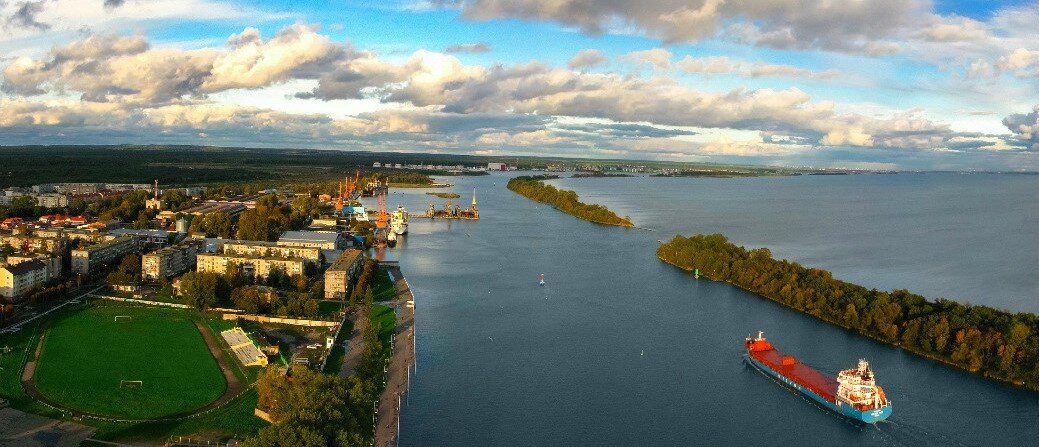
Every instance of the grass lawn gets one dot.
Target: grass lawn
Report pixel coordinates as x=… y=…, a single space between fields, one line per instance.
x=382 y=287
x=387 y=319
x=88 y=355
x=327 y=308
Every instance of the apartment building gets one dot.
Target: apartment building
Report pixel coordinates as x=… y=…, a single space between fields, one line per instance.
x=256 y=266
x=171 y=261
x=19 y=279
x=341 y=276
x=87 y=260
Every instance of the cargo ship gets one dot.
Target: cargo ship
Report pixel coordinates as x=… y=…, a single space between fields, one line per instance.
x=854 y=393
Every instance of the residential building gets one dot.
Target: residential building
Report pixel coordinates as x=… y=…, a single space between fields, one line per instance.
x=53 y=200
x=264 y=249
x=341 y=276
x=171 y=261
x=328 y=240
x=19 y=279
x=52 y=263
x=86 y=260
x=256 y=266
x=29 y=243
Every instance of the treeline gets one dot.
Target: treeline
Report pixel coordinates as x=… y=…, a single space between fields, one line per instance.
x=995 y=343
x=534 y=188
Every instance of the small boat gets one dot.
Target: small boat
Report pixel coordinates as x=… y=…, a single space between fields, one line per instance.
x=541 y=279
x=391 y=239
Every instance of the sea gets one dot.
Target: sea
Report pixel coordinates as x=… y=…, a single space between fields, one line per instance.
x=619 y=349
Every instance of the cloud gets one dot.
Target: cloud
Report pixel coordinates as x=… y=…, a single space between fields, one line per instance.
x=476 y=48
x=1025 y=127
x=953 y=29
x=112 y=4
x=723 y=65
x=111 y=68
x=1022 y=62
x=25 y=15
x=843 y=26
x=586 y=59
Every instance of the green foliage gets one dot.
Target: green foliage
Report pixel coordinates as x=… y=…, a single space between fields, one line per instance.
x=536 y=189
x=128 y=271
x=980 y=339
x=315 y=409
x=203 y=290
x=217 y=224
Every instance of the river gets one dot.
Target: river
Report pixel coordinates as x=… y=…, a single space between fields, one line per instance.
x=619 y=349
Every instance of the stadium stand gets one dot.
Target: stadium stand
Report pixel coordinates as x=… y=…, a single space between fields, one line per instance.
x=244 y=348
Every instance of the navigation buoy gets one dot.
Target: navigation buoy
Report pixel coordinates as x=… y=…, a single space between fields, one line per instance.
x=697 y=274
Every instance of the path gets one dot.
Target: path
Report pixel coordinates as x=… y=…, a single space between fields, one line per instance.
x=234 y=386
x=354 y=347
x=398 y=373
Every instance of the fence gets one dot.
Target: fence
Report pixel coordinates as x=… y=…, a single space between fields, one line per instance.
x=282 y=320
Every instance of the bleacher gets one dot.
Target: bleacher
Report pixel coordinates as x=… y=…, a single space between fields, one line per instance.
x=244 y=348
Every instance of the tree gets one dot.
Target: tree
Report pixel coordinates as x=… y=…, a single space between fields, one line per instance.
x=247 y=299
x=200 y=290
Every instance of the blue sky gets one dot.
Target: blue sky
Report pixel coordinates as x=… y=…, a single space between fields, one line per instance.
x=909 y=84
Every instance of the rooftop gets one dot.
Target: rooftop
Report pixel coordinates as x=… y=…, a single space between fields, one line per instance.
x=344 y=261
x=309 y=236
x=25 y=267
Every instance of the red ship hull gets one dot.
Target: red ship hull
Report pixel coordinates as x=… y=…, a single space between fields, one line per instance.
x=797 y=372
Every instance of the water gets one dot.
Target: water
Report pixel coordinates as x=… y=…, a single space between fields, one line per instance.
x=619 y=349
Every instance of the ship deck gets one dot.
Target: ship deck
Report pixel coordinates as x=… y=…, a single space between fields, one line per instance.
x=804 y=375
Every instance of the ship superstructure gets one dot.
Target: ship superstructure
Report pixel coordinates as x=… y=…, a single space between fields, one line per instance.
x=399 y=221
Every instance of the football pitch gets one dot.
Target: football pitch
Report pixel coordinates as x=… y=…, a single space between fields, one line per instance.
x=128 y=362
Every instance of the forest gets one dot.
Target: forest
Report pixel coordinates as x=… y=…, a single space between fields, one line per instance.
x=994 y=343
x=534 y=188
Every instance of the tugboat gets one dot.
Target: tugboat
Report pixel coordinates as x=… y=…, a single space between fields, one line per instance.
x=854 y=394
x=391 y=239
x=399 y=221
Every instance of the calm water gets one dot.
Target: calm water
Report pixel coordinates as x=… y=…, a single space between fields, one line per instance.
x=619 y=349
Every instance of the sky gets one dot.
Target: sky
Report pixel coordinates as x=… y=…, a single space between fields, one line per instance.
x=866 y=84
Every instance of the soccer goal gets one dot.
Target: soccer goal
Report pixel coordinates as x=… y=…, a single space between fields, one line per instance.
x=131 y=383
x=123 y=318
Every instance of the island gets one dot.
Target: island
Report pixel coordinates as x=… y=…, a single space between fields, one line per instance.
x=534 y=188
x=993 y=343
x=444 y=195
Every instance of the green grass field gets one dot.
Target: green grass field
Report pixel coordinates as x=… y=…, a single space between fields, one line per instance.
x=88 y=358
x=382 y=288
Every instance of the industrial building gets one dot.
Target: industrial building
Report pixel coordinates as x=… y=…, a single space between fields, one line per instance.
x=341 y=276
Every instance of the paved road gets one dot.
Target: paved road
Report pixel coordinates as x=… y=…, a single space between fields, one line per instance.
x=398 y=373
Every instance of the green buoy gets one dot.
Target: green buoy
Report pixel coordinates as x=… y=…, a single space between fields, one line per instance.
x=697 y=273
